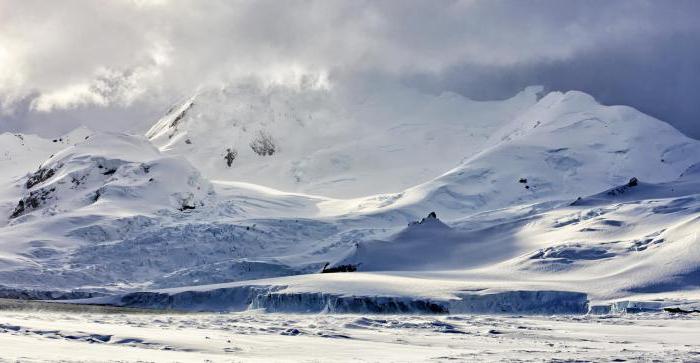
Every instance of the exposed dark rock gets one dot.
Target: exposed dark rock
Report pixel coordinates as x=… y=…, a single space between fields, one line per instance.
x=431 y=215
x=19 y=209
x=22 y=294
x=633 y=182
x=263 y=144
x=39 y=176
x=35 y=199
x=230 y=155
x=522 y=181
x=624 y=188
x=675 y=310
x=181 y=115
x=96 y=197
x=77 y=181
x=340 y=268
x=291 y=332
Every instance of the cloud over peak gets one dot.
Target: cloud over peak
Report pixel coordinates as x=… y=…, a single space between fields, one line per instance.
x=116 y=54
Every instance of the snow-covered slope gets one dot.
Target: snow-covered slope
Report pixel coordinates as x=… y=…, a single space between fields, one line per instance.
x=636 y=243
x=21 y=154
x=604 y=236
x=329 y=142
x=119 y=171
x=104 y=178
x=565 y=146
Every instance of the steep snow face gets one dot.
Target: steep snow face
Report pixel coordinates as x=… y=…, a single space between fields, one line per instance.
x=115 y=170
x=565 y=146
x=328 y=142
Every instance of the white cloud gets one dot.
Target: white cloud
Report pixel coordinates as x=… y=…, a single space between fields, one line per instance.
x=82 y=53
x=68 y=97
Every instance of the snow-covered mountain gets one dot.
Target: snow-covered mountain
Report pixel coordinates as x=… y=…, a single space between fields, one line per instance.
x=329 y=142
x=557 y=193
x=565 y=146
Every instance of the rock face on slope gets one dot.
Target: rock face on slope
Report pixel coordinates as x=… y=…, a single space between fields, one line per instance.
x=118 y=170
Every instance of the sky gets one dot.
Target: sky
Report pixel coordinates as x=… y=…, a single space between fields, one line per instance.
x=115 y=65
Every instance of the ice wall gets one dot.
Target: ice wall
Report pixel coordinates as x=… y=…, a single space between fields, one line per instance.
x=277 y=299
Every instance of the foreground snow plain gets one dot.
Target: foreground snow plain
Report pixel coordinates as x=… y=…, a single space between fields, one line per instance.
x=31 y=333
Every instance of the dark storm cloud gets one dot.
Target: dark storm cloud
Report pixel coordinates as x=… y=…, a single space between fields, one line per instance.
x=658 y=76
x=107 y=63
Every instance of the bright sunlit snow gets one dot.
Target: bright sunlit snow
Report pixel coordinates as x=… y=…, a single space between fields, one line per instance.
x=304 y=208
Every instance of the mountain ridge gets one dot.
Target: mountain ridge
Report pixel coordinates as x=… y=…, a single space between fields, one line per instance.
x=548 y=194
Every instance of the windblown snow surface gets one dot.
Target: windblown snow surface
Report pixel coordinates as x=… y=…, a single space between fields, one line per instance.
x=114 y=335
x=238 y=199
